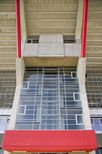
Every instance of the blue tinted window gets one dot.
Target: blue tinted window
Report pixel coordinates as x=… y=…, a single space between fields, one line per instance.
x=47 y=101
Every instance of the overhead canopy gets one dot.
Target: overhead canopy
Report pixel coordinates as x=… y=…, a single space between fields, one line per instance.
x=49 y=141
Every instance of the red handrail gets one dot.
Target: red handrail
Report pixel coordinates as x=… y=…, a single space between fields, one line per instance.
x=18 y=30
x=84 y=28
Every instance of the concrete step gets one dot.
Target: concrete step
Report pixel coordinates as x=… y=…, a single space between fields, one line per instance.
x=7 y=2
x=94 y=2
x=94 y=15
x=5 y=60
x=7 y=7
x=52 y=1
x=94 y=43
x=94 y=61
x=95 y=69
x=50 y=15
x=7 y=15
x=53 y=16
x=7 y=34
x=8 y=43
x=7 y=66
x=94 y=37
x=8 y=37
x=94 y=54
x=41 y=30
x=8 y=49
x=94 y=34
x=51 y=23
x=7 y=30
x=94 y=30
x=94 y=49
x=97 y=7
x=8 y=54
x=95 y=23
x=51 y=8
x=8 y=23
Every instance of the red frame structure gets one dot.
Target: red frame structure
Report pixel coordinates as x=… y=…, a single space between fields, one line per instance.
x=18 y=29
x=49 y=141
x=84 y=28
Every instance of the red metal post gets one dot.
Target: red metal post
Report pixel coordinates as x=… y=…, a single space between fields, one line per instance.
x=18 y=30
x=84 y=28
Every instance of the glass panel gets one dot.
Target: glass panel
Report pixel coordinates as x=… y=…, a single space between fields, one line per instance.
x=91 y=121
x=46 y=100
x=96 y=123
x=101 y=121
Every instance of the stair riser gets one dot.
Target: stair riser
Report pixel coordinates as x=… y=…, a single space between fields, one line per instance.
x=52 y=1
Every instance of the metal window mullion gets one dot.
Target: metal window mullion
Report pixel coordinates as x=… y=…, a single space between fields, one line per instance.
x=5 y=103
x=65 y=99
x=59 y=99
x=35 y=98
x=41 y=99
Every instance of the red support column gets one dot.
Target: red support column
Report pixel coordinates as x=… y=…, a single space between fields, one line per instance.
x=84 y=28
x=18 y=30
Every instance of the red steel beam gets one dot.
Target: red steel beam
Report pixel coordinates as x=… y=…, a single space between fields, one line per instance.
x=84 y=28
x=18 y=29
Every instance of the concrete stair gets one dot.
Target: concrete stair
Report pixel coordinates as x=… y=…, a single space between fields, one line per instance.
x=7 y=34
x=94 y=34
x=53 y=16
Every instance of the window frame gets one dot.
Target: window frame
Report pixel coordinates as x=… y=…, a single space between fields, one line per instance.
x=27 y=82
x=75 y=93
x=72 y=75
x=76 y=117
x=24 y=110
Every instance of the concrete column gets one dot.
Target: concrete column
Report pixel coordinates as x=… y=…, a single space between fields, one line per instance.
x=20 y=68
x=79 y=21
x=81 y=72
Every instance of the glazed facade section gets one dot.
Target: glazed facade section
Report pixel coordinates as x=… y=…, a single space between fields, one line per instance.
x=50 y=99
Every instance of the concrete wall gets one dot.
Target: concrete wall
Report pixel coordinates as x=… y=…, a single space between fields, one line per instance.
x=51 y=46
x=20 y=68
x=81 y=72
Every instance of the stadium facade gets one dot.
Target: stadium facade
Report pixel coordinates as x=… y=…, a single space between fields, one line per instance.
x=51 y=76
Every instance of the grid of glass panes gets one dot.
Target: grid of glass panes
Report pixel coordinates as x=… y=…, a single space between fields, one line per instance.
x=50 y=100
x=7 y=88
x=96 y=122
x=94 y=86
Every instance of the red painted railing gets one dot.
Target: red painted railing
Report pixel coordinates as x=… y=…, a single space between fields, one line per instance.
x=18 y=30
x=84 y=28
